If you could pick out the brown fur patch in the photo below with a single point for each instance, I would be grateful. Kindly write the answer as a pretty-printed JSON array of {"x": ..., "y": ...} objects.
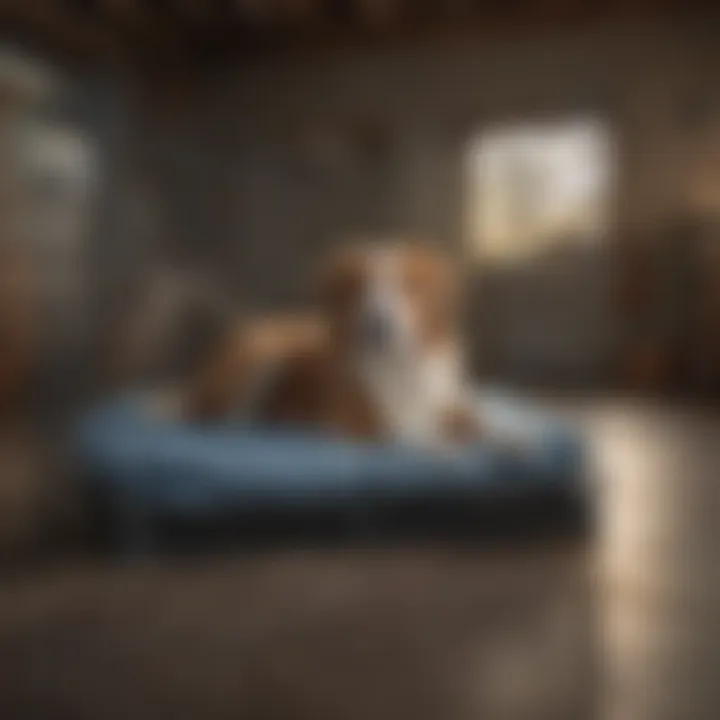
[
  {"x": 460, "y": 425},
  {"x": 309, "y": 355}
]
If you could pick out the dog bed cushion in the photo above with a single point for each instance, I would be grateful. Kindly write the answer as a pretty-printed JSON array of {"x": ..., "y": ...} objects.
[{"x": 149, "y": 466}]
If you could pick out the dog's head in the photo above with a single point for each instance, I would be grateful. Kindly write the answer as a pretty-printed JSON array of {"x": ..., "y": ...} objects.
[{"x": 390, "y": 298}]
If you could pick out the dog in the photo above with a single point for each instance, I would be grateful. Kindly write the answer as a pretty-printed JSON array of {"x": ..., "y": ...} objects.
[{"x": 382, "y": 358}]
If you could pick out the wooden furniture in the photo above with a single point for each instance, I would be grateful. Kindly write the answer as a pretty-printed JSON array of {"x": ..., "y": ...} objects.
[{"x": 670, "y": 306}]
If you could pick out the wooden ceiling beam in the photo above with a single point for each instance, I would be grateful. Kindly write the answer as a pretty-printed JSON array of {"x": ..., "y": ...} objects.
[
  {"x": 193, "y": 22},
  {"x": 283, "y": 13},
  {"x": 120, "y": 32},
  {"x": 379, "y": 14},
  {"x": 188, "y": 31},
  {"x": 43, "y": 20},
  {"x": 133, "y": 13},
  {"x": 254, "y": 12},
  {"x": 142, "y": 25},
  {"x": 351, "y": 23}
]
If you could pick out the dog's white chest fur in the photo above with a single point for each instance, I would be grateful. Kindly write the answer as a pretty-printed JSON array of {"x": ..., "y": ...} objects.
[
  {"x": 412, "y": 396},
  {"x": 410, "y": 384}
]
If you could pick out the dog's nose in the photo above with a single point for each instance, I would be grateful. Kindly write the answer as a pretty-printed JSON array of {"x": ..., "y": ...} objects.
[{"x": 376, "y": 329}]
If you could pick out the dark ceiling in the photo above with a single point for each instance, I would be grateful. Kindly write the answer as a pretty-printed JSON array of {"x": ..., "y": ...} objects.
[{"x": 153, "y": 31}]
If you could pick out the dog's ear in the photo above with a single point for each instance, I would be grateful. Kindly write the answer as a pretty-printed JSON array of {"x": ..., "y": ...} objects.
[
  {"x": 339, "y": 277},
  {"x": 437, "y": 273}
]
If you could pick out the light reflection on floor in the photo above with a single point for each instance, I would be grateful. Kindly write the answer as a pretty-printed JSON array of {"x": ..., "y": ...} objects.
[{"x": 657, "y": 568}]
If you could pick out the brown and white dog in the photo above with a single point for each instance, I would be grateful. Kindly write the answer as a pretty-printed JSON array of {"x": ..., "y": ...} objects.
[{"x": 381, "y": 360}]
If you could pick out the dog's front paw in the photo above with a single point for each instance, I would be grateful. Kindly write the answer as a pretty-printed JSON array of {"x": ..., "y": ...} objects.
[{"x": 460, "y": 426}]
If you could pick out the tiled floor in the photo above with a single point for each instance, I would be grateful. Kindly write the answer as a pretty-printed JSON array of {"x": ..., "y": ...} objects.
[{"x": 406, "y": 632}]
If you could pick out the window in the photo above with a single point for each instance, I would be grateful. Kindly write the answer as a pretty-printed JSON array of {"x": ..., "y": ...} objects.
[
  {"x": 534, "y": 188},
  {"x": 62, "y": 174}
]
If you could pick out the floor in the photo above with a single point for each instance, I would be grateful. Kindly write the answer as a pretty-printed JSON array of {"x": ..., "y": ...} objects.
[
  {"x": 656, "y": 568},
  {"x": 628, "y": 625},
  {"x": 404, "y": 633}
]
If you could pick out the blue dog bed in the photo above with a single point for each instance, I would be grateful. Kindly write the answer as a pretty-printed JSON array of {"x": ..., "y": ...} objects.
[{"x": 148, "y": 471}]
